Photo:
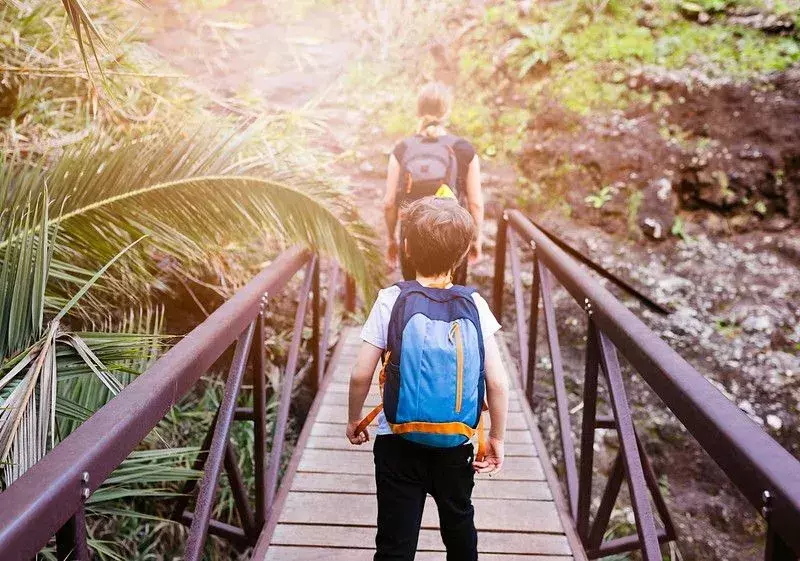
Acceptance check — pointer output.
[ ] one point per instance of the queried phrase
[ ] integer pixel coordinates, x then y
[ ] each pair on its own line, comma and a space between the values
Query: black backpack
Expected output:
426, 165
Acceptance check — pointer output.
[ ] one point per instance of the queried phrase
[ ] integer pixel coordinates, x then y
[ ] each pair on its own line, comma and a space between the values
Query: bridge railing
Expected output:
49, 499
765, 473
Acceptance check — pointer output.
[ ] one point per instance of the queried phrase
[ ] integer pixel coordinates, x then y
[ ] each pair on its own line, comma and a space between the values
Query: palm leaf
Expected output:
194, 194
27, 414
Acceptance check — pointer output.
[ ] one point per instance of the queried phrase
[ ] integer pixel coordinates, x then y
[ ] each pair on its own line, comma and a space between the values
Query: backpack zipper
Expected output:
455, 337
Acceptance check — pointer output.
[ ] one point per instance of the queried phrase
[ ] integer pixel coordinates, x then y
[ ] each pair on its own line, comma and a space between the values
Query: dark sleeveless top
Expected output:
464, 151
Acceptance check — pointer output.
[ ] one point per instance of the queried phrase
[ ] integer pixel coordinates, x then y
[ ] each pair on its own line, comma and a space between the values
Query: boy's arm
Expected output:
497, 397
360, 381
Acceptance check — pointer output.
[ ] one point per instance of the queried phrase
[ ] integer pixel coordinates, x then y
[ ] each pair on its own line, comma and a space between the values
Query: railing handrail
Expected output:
754, 462
37, 505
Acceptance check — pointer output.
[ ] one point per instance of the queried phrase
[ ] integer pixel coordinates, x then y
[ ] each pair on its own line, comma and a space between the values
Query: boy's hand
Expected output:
354, 438
493, 460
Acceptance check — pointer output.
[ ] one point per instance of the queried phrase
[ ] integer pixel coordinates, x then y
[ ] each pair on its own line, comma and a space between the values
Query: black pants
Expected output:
405, 473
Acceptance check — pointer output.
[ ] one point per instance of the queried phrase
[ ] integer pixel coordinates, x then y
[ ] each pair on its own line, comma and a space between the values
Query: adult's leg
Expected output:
460, 274
406, 268
401, 498
452, 483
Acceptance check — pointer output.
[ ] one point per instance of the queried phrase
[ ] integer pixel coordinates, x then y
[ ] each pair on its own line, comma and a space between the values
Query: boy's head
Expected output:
438, 233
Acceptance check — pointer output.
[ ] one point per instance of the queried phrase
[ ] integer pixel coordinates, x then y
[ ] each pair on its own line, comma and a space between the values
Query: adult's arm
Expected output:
390, 198
390, 210
475, 200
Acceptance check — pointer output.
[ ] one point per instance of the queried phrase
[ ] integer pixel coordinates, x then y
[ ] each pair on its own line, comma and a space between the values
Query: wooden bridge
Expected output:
322, 505
328, 510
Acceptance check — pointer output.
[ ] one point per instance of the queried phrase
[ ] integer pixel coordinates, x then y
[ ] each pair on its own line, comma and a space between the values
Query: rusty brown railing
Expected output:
766, 474
49, 499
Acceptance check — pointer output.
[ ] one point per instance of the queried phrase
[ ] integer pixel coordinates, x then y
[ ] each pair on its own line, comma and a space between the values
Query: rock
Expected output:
777, 224
684, 322
690, 10
715, 224
774, 422
768, 23
753, 324
657, 209
672, 285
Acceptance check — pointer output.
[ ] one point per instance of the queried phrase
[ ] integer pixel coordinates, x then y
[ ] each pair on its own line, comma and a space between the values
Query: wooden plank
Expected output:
337, 429
373, 398
338, 414
362, 510
339, 442
334, 398
344, 462
352, 537
285, 553
567, 522
485, 487
261, 546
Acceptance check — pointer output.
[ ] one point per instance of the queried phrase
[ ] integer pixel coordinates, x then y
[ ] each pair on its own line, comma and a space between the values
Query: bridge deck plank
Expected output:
328, 509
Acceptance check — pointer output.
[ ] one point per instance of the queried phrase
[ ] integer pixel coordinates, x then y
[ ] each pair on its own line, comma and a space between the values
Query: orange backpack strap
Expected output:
362, 426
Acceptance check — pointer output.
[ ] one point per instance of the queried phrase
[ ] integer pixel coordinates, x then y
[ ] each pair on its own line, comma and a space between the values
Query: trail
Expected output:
239, 51
295, 66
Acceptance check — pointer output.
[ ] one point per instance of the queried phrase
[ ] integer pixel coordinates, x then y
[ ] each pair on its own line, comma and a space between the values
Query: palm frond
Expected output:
28, 409
194, 194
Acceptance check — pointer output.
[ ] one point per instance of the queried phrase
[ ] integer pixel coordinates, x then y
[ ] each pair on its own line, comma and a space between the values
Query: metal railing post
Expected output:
315, 320
287, 385
587, 432
350, 295
499, 266
533, 330
330, 306
71, 544
260, 419
208, 484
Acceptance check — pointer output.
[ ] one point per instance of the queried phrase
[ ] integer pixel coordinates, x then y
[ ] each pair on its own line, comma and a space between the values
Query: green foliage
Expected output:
679, 229
727, 328
634, 203
599, 198
540, 44
732, 50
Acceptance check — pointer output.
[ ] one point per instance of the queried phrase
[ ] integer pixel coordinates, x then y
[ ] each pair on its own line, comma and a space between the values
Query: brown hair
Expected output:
438, 234
433, 106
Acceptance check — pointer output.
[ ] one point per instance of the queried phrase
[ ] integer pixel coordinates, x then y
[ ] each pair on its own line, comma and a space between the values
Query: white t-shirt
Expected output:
376, 328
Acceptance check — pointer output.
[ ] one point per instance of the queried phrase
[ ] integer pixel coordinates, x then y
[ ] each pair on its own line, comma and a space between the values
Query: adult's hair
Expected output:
438, 234
433, 107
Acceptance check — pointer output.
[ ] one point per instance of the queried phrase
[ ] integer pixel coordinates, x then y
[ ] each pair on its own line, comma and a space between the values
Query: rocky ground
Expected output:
694, 200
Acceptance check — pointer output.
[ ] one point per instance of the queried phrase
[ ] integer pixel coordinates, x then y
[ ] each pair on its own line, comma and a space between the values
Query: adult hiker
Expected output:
432, 162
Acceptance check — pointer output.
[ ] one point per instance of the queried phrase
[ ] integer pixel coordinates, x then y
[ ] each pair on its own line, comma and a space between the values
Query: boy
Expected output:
439, 236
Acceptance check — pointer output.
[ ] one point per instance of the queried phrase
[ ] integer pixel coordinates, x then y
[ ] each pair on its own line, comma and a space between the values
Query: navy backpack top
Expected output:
433, 377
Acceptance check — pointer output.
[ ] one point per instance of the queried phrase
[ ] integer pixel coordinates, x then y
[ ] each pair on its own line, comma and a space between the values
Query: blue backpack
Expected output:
432, 379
